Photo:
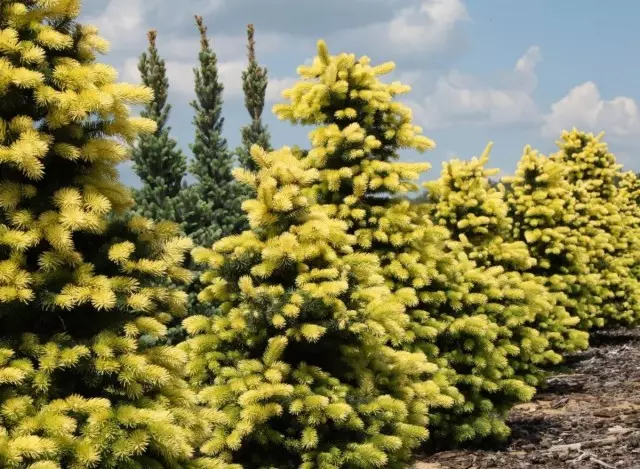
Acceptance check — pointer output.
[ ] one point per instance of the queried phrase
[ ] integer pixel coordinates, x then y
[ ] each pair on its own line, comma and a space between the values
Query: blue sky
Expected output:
514, 73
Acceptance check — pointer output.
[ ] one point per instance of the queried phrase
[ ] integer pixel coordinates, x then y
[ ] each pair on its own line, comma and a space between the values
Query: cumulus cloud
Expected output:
122, 22
397, 27
459, 97
425, 29
276, 86
426, 26
302, 18
583, 107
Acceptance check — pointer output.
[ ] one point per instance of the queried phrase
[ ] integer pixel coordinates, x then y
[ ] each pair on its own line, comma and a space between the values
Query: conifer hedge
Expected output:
477, 215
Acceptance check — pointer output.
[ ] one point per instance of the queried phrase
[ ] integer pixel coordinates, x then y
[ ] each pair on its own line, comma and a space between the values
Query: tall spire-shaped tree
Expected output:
212, 204
156, 159
76, 287
254, 84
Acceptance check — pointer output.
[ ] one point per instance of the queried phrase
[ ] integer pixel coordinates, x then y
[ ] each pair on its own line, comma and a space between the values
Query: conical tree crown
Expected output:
594, 173
547, 215
306, 374
76, 289
254, 85
362, 127
549, 218
474, 210
461, 316
211, 206
589, 161
158, 162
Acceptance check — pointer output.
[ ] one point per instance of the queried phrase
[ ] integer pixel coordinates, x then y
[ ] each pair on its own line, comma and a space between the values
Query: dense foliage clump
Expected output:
594, 176
77, 289
303, 366
469, 318
548, 216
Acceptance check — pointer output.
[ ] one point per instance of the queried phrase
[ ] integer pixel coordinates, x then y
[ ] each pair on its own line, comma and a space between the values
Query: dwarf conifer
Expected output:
449, 299
594, 173
549, 215
465, 201
301, 367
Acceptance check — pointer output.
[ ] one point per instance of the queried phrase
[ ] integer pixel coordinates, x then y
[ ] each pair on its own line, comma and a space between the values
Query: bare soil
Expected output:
587, 417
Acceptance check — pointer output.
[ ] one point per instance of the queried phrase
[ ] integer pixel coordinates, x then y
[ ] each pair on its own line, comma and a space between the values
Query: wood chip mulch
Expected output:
587, 417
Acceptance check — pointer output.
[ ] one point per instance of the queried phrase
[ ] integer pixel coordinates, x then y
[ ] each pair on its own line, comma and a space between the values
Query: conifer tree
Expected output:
629, 201
448, 297
472, 208
254, 85
158, 162
301, 368
476, 213
211, 206
594, 173
76, 288
548, 216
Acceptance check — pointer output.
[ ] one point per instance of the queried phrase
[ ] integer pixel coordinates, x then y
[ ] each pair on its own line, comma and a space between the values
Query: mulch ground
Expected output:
588, 416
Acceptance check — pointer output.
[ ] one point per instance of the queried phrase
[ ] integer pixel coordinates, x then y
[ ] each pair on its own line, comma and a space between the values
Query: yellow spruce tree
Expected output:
475, 211
301, 368
360, 129
465, 201
76, 388
629, 197
594, 173
549, 215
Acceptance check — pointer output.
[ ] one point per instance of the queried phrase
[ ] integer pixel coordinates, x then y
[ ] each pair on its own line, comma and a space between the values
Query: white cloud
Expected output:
121, 21
227, 47
276, 86
458, 97
231, 77
525, 69
583, 107
129, 71
428, 25
124, 24
427, 28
